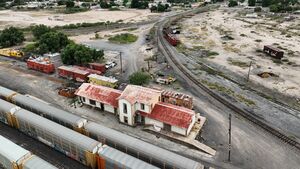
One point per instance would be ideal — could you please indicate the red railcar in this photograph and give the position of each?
(274, 52)
(41, 64)
(91, 71)
(170, 37)
(98, 66)
(73, 73)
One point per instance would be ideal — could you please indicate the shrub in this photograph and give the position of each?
(139, 78)
(257, 9)
(232, 3)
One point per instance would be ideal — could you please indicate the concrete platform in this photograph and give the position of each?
(186, 140)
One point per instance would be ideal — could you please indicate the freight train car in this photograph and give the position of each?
(41, 64)
(98, 66)
(73, 73)
(145, 151)
(170, 37)
(13, 156)
(274, 52)
(74, 145)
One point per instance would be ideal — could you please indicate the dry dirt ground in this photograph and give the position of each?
(239, 40)
(27, 18)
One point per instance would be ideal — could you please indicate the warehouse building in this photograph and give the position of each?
(170, 117)
(101, 97)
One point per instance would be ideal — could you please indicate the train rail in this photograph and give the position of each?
(247, 115)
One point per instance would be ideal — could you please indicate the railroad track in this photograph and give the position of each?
(247, 115)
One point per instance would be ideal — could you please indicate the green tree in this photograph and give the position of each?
(161, 8)
(251, 2)
(52, 42)
(274, 8)
(70, 4)
(232, 3)
(40, 30)
(11, 36)
(139, 78)
(134, 4)
(79, 54)
(104, 5)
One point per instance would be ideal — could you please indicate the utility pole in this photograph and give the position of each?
(121, 62)
(229, 138)
(248, 76)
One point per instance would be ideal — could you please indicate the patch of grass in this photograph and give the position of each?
(215, 86)
(238, 63)
(245, 100)
(123, 38)
(212, 53)
(129, 29)
(75, 10)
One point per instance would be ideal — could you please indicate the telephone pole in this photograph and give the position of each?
(248, 76)
(121, 62)
(229, 141)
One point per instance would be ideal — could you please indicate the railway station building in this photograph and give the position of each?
(102, 97)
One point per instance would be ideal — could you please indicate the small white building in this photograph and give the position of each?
(170, 117)
(136, 99)
(101, 97)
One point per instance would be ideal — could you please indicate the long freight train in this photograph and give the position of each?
(140, 149)
(73, 144)
(13, 156)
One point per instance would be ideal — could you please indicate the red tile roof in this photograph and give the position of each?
(101, 94)
(140, 94)
(171, 114)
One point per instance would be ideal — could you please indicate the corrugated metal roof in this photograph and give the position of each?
(4, 92)
(171, 114)
(38, 106)
(73, 69)
(59, 131)
(142, 146)
(101, 94)
(11, 152)
(37, 163)
(133, 94)
(122, 159)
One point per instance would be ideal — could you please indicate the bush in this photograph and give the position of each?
(232, 3)
(123, 38)
(274, 8)
(11, 36)
(79, 54)
(139, 78)
(257, 9)
(70, 4)
(40, 30)
(30, 48)
(251, 2)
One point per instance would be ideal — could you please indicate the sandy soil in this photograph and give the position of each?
(23, 19)
(249, 35)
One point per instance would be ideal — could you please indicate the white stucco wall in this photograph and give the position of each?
(191, 125)
(149, 121)
(138, 106)
(109, 108)
(130, 112)
(179, 130)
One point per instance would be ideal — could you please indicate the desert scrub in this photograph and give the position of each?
(237, 63)
(123, 38)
